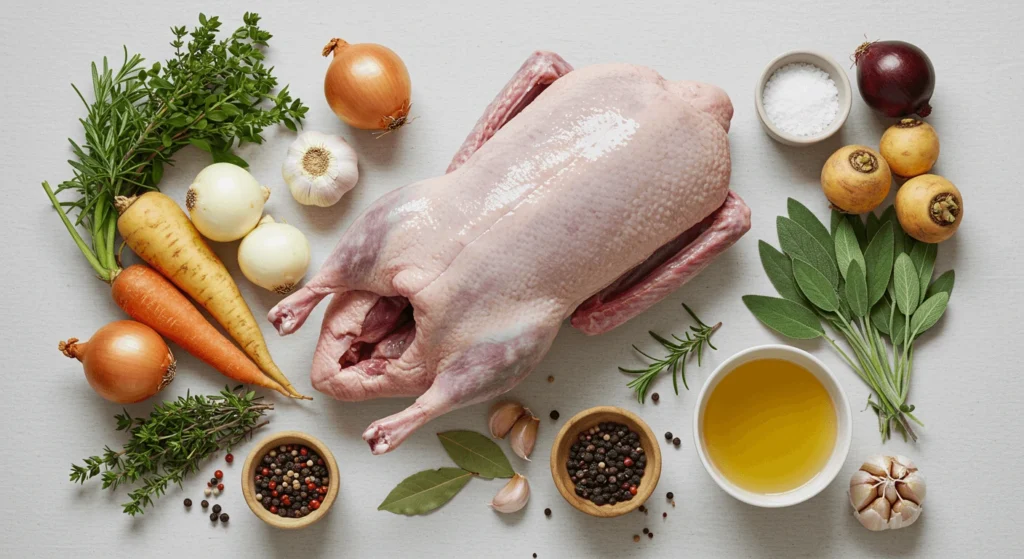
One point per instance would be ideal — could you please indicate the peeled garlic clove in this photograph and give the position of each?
(877, 465)
(524, 435)
(513, 496)
(320, 169)
(503, 416)
(912, 487)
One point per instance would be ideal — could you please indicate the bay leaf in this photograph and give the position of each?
(880, 316)
(815, 286)
(857, 290)
(878, 259)
(847, 248)
(476, 453)
(779, 268)
(425, 491)
(805, 218)
(943, 283)
(798, 243)
(930, 311)
(906, 285)
(924, 259)
(785, 317)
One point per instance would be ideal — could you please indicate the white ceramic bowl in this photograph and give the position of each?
(843, 425)
(826, 63)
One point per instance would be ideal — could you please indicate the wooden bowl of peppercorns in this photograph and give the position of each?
(295, 472)
(606, 461)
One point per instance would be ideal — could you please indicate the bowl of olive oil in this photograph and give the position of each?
(772, 426)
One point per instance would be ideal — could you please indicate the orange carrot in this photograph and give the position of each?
(152, 300)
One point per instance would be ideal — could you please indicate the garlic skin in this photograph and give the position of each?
(887, 493)
(523, 435)
(274, 256)
(503, 416)
(319, 169)
(512, 497)
(225, 202)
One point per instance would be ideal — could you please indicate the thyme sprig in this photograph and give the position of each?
(172, 443)
(212, 94)
(678, 350)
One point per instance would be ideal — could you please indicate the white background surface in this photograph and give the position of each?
(967, 384)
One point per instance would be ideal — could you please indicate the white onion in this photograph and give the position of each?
(225, 202)
(274, 256)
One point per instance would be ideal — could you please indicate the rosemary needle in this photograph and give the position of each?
(679, 349)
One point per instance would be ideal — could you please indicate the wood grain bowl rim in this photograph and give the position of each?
(585, 420)
(252, 461)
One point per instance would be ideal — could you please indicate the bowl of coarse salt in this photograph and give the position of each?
(803, 97)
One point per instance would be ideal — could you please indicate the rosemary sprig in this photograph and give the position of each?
(212, 94)
(675, 361)
(172, 442)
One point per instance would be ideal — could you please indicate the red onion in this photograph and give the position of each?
(895, 78)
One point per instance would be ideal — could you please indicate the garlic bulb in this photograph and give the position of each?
(887, 493)
(513, 496)
(523, 435)
(503, 416)
(320, 169)
(225, 202)
(274, 255)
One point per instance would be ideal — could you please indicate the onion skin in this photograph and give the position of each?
(367, 85)
(125, 361)
(895, 78)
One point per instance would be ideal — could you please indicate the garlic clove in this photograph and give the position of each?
(875, 518)
(523, 435)
(513, 496)
(904, 513)
(862, 494)
(890, 493)
(503, 416)
(912, 487)
(897, 470)
(877, 465)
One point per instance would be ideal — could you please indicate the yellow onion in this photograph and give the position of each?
(125, 361)
(367, 85)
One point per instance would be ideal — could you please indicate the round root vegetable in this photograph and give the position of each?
(149, 298)
(225, 202)
(910, 147)
(895, 78)
(929, 208)
(855, 179)
(274, 256)
(159, 232)
(125, 361)
(367, 85)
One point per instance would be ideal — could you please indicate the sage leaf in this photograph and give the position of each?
(836, 218)
(943, 283)
(847, 248)
(859, 230)
(878, 260)
(857, 290)
(924, 259)
(897, 328)
(785, 317)
(880, 316)
(873, 225)
(805, 218)
(425, 491)
(799, 244)
(815, 286)
(476, 453)
(930, 311)
(779, 268)
(889, 215)
(906, 285)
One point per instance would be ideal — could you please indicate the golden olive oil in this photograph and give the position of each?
(769, 426)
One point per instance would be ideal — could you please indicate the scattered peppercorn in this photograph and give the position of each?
(218, 474)
(668, 435)
(220, 487)
(554, 415)
(551, 379)
(213, 517)
(213, 482)
(205, 503)
(670, 496)
(646, 531)
(224, 517)
(547, 512)
(655, 397)
(643, 509)
(597, 463)
(229, 458)
(636, 538)
(216, 508)
(676, 441)
(650, 535)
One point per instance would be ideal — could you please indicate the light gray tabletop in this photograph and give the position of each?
(967, 387)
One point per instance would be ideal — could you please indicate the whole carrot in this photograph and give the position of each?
(150, 299)
(159, 232)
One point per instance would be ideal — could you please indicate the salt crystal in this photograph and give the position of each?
(801, 99)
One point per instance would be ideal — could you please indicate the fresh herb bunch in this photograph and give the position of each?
(213, 94)
(171, 443)
(675, 361)
(868, 281)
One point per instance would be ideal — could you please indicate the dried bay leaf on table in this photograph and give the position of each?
(476, 453)
(798, 243)
(815, 286)
(425, 491)
(790, 319)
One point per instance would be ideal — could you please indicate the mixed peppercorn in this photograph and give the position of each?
(606, 464)
(291, 481)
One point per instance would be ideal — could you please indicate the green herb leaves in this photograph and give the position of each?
(476, 453)
(425, 491)
(865, 281)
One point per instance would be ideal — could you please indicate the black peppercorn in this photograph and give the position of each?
(224, 517)
(547, 512)
(554, 415)
(216, 508)
(214, 481)
(646, 531)
(676, 441)
(213, 516)
(668, 435)
(205, 503)
(650, 535)
(188, 503)
(670, 496)
(655, 397)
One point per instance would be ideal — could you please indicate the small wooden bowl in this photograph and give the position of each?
(569, 434)
(253, 461)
